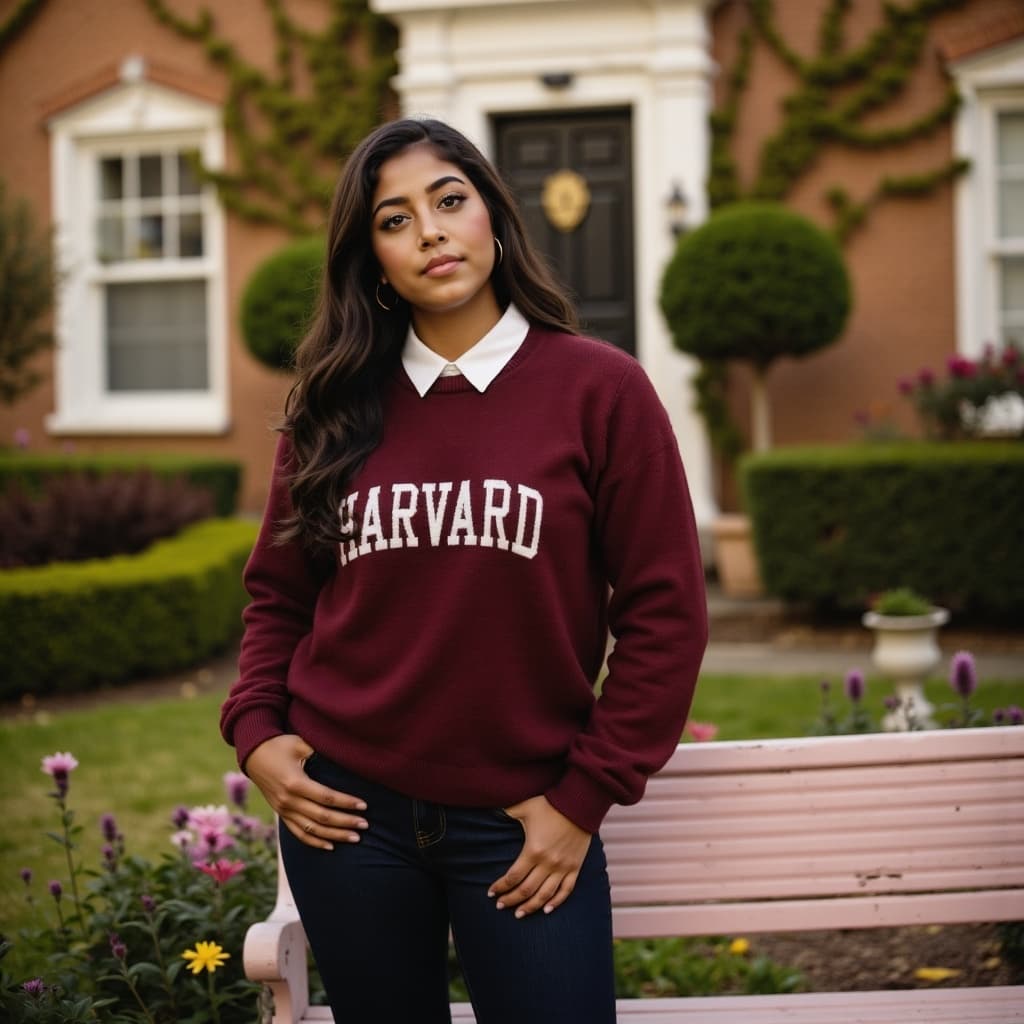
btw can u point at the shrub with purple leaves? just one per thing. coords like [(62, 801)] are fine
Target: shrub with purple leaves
[(78, 516)]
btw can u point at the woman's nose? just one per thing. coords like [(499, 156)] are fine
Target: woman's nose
[(431, 236)]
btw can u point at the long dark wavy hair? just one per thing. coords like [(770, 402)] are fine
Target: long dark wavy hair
[(333, 413)]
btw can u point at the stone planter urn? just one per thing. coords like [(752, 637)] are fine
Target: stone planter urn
[(735, 557), (906, 650)]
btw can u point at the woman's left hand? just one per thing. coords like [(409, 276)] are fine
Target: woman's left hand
[(545, 873)]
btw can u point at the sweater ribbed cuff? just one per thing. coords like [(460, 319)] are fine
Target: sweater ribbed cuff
[(580, 799), (252, 729)]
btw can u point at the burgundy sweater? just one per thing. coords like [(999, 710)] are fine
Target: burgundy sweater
[(451, 651)]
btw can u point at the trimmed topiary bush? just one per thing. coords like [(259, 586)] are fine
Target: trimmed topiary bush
[(75, 625), (836, 525), (755, 282), (222, 478), (279, 300)]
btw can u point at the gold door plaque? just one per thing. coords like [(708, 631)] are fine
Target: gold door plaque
[(566, 199)]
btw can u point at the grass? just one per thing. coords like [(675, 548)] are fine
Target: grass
[(140, 761)]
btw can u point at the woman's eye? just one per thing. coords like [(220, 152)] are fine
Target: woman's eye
[(392, 222), (451, 200)]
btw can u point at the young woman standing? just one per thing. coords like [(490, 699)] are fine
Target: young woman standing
[(460, 480)]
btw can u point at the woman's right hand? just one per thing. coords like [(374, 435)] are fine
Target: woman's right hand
[(315, 814)]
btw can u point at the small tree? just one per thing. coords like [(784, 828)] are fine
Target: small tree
[(26, 295), (279, 301), (755, 282)]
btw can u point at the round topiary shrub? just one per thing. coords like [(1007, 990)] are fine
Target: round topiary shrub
[(755, 282), (279, 301)]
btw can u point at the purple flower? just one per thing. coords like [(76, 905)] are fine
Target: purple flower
[(926, 378), (1015, 715), (891, 703), (180, 817), (56, 890), (854, 684), (117, 947), (148, 903), (108, 826), (237, 786), (26, 875), (998, 716), (824, 686), (906, 385), (963, 676), (34, 987), (22, 438)]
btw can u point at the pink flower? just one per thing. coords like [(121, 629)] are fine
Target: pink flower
[(59, 763), (209, 816), (183, 839), (222, 870), (960, 366), (213, 840), (702, 732), (906, 385), (59, 767), (926, 378), (22, 438)]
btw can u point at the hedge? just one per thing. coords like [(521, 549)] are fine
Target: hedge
[(223, 477), (75, 625), (835, 525)]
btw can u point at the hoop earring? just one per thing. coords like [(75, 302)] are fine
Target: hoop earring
[(501, 251), (380, 302)]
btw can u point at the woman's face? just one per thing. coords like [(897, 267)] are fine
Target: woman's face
[(431, 233)]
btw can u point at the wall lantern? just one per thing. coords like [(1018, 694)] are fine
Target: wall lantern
[(676, 207)]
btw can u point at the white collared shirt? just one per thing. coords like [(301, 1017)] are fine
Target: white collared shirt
[(479, 364)]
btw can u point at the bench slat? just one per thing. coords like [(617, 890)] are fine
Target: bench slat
[(997, 1005), (812, 915)]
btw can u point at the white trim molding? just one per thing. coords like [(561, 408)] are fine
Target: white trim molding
[(990, 84), (468, 62), (132, 117)]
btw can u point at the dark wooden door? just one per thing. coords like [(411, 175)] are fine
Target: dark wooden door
[(593, 257)]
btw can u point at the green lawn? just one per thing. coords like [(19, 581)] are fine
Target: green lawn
[(139, 761)]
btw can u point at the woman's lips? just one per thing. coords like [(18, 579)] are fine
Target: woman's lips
[(439, 266)]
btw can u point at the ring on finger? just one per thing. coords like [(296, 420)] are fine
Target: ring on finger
[(308, 828)]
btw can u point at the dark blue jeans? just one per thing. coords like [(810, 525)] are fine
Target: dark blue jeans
[(377, 914)]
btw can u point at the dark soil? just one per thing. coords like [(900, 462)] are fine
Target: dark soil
[(886, 958)]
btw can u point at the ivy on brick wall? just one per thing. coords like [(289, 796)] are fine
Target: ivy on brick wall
[(289, 139), (17, 20), (834, 90)]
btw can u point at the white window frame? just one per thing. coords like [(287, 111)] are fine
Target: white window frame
[(990, 83), (135, 116)]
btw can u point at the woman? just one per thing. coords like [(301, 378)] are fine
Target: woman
[(460, 479)]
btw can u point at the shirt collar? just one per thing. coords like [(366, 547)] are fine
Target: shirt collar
[(479, 365)]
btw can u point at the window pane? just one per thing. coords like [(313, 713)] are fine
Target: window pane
[(1011, 209), (1010, 127), (111, 177), (151, 176), (190, 240), (1012, 286), (110, 238), (151, 237), (156, 336), (188, 181)]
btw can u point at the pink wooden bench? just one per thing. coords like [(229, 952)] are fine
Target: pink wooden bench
[(789, 835)]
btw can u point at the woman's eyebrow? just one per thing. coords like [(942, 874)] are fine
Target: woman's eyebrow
[(432, 187)]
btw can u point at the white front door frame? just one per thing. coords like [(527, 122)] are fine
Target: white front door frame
[(465, 62)]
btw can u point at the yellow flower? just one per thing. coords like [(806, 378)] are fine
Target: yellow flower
[(206, 954), (935, 973), (739, 946)]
